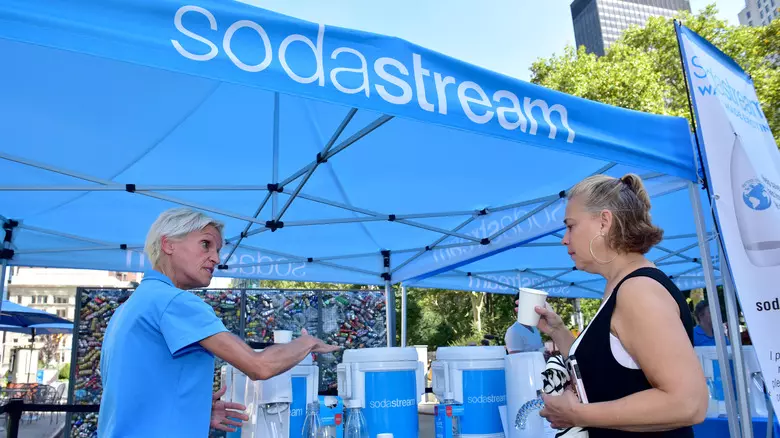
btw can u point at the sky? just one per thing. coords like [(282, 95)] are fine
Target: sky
[(505, 36)]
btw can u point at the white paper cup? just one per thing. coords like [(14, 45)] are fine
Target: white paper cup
[(527, 301), (282, 336)]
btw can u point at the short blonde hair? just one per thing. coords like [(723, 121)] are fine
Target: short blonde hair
[(175, 224), (632, 228)]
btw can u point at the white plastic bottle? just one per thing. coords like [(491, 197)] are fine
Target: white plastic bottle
[(757, 207)]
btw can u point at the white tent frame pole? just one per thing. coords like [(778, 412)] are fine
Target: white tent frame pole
[(138, 188), (294, 258), (8, 236), (543, 206), (714, 302), (379, 121), (572, 284), (275, 155), (432, 245), (736, 345), (72, 249), (403, 315), (389, 300), (386, 217), (342, 126), (680, 251), (67, 236), (677, 262), (554, 277), (3, 266), (149, 194), (435, 244), (578, 314), (523, 218), (240, 237), (677, 254)]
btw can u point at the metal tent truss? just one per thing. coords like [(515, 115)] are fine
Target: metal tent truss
[(255, 225)]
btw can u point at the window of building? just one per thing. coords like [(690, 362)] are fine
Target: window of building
[(62, 313), (18, 299), (40, 299), (748, 14), (60, 300)]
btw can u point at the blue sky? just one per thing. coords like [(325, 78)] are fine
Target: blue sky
[(505, 36)]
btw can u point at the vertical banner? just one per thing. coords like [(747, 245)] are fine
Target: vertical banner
[(742, 165)]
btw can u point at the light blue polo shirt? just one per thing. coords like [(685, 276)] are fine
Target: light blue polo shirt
[(157, 379)]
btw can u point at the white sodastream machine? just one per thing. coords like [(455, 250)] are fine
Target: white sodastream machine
[(708, 357), (474, 378), (524, 383), (381, 389), (277, 406)]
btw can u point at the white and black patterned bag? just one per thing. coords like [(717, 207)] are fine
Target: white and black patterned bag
[(555, 380)]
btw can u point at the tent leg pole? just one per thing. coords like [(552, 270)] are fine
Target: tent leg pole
[(390, 313), (717, 320), (578, 314), (3, 268), (736, 345), (403, 315)]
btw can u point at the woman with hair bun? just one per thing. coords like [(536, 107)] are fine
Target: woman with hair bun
[(637, 365)]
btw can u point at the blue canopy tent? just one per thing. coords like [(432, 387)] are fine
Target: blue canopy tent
[(331, 155)]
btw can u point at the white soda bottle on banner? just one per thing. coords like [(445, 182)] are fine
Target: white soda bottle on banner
[(757, 206)]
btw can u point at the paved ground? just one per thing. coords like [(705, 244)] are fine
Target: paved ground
[(427, 429), (42, 428)]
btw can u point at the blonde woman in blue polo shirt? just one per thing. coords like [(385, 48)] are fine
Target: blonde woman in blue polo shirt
[(157, 361)]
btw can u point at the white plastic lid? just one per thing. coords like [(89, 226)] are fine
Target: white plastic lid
[(382, 354), (330, 401), (533, 291), (470, 353)]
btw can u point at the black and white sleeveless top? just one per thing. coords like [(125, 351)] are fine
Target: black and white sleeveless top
[(608, 371)]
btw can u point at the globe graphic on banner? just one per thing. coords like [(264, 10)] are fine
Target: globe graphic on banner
[(755, 195)]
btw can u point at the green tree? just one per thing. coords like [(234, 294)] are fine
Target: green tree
[(642, 70)]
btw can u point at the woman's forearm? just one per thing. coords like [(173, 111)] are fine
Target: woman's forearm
[(647, 411)]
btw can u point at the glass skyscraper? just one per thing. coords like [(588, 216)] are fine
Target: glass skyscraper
[(599, 23)]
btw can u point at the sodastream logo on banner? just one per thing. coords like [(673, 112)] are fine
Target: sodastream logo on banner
[(742, 164)]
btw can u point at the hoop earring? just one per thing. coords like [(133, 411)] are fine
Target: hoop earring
[(590, 247)]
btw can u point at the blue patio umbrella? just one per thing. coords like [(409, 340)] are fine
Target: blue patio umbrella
[(16, 316), (20, 319), (39, 329)]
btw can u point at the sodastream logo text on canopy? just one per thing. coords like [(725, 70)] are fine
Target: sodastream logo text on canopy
[(395, 81)]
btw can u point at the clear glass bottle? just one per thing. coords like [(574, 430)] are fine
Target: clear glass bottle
[(356, 426), (312, 424)]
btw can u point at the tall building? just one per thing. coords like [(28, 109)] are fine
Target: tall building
[(599, 23), (759, 12), (53, 291)]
